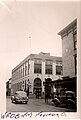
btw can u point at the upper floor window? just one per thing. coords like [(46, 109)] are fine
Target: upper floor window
[(75, 40), (48, 69), (75, 60), (21, 71), (37, 68), (25, 68), (28, 66), (58, 70)]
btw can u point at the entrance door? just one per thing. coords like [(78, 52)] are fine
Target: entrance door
[(48, 87), (38, 86)]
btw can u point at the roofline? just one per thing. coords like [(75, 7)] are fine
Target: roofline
[(72, 24), (29, 56)]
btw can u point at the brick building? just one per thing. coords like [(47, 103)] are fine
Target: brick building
[(69, 57), (69, 49), (69, 61)]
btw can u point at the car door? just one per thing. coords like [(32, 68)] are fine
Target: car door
[(63, 98)]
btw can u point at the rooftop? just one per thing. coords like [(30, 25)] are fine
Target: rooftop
[(42, 56)]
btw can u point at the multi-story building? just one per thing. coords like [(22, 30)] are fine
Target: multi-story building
[(69, 61), (69, 57), (8, 87), (34, 70), (69, 49)]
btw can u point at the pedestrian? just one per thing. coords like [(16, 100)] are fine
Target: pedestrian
[(28, 91), (36, 94), (46, 97)]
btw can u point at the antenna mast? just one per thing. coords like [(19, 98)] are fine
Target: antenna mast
[(30, 43)]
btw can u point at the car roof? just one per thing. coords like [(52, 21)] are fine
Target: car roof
[(19, 92), (70, 92)]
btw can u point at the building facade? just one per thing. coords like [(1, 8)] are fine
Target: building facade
[(34, 70), (69, 49), (8, 87), (69, 59)]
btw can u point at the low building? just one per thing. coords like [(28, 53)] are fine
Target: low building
[(34, 70)]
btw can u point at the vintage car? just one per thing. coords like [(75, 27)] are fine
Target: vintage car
[(67, 99), (19, 97)]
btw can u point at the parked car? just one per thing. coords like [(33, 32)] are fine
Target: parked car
[(67, 99), (19, 97)]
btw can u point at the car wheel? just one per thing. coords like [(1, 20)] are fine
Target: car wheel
[(26, 102), (12, 101), (15, 101), (56, 103), (69, 105)]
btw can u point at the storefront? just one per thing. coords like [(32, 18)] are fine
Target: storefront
[(67, 84)]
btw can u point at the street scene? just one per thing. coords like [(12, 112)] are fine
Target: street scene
[(34, 105), (47, 77), (42, 59)]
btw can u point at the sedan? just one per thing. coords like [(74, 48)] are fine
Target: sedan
[(19, 97)]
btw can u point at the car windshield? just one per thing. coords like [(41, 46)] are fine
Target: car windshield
[(69, 95), (21, 94)]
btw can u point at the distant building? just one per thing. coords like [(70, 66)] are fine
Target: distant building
[(8, 87), (34, 70), (69, 49)]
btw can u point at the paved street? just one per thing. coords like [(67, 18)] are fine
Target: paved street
[(34, 105)]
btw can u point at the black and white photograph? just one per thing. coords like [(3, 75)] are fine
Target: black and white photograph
[(38, 49)]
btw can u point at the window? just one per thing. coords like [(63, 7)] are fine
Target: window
[(37, 82), (48, 69), (75, 60), (75, 48), (37, 68), (28, 66), (25, 68), (58, 70), (37, 65), (75, 40), (21, 71)]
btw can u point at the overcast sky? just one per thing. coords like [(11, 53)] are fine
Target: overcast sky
[(40, 20)]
